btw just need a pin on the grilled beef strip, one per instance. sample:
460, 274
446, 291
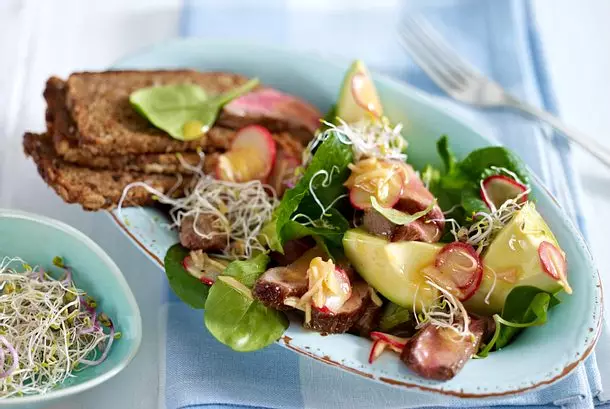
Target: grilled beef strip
440, 353
215, 239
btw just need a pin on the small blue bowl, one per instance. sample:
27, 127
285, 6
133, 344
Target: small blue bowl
37, 240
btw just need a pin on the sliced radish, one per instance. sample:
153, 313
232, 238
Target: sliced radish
554, 264
365, 95
460, 263
387, 196
282, 175
498, 189
251, 157
337, 290
207, 272
376, 350
394, 341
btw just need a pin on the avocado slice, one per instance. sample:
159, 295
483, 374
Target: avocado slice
393, 269
358, 97
513, 256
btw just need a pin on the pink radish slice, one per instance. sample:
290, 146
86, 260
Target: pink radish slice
461, 263
251, 157
334, 302
498, 189
206, 277
376, 350
362, 91
361, 199
554, 264
394, 341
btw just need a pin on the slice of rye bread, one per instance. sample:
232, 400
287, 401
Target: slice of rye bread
93, 110
168, 163
95, 189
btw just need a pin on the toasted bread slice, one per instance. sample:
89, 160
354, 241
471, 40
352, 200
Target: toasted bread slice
95, 189
93, 109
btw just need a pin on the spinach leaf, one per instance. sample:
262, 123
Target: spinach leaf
392, 316
239, 321
247, 271
173, 108
332, 156
189, 289
480, 160
398, 217
524, 305
472, 203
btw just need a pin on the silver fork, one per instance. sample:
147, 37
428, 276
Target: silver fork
462, 81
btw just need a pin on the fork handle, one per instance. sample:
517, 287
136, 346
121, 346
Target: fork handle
589, 144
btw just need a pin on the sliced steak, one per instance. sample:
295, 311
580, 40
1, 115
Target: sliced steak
279, 283
375, 223
274, 110
439, 353
348, 315
419, 230
213, 239
369, 320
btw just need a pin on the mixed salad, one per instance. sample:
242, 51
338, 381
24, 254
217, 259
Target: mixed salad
437, 265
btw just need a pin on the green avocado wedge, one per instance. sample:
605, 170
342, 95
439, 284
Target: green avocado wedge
393, 269
358, 98
513, 258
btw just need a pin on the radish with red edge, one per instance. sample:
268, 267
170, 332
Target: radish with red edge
387, 197
396, 342
460, 263
498, 189
376, 350
251, 157
334, 300
554, 264
207, 276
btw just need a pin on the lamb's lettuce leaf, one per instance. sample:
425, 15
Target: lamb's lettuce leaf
234, 317
190, 290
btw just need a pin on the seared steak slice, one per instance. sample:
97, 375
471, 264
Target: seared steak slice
369, 320
274, 110
375, 223
439, 353
214, 238
419, 230
279, 283
348, 315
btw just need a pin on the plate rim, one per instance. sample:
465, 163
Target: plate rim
432, 102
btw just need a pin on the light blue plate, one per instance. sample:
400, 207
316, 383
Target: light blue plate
37, 240
538, 357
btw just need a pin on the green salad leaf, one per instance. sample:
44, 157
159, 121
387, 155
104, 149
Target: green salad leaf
393, 315
525, 306
326, 174
234, 317
247, 271
460, 183
172, 107
398, 217
189, 289
240, 321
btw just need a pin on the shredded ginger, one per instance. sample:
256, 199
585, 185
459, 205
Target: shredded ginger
48, 329
241, 209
